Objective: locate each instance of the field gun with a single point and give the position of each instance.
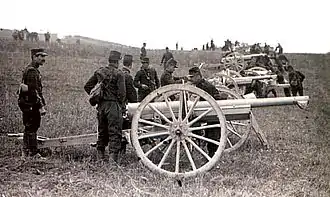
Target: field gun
(169, 128)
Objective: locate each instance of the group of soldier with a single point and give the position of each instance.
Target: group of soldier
(118, 89)
(30, 36)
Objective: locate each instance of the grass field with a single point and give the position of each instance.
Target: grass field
(297, 163)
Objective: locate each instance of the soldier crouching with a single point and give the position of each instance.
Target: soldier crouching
(109, 106)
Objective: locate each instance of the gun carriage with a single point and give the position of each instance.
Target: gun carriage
(169, 128)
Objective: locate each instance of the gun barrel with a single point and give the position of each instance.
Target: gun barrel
(238, 103)
(248, 80)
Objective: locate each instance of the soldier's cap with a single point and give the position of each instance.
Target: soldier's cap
(194, 70)
(115, 55)
(128, 58)
(38, 51)
(171, 62)
(145, 60)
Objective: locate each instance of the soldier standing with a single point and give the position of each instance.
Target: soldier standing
(166, 56)
(280, 49)
(145, 80)
(131, 95)
(167, 76)
(295, 79)
(197, 79)
(32, 102)
(143, 51)
(109, 106)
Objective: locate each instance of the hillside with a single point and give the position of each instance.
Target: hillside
(297, 163)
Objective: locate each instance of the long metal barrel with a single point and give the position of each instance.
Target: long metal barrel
(254, 103)
(248, 80)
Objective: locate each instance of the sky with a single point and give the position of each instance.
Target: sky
(299, 25)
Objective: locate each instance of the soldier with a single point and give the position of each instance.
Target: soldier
(166, 56)
(280, 49)
(282, 77)
(32, 102)
(143, 51)
(109, 106)
(167, 77)
(131, 95)
(177, 46)
(197, 79)
(145, 80)
(295, 79)
(47, 37)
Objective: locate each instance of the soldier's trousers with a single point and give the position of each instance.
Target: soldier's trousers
(297, 89)
(110, 121)
(142, 95)
(287, 92)
(31, 121)
(213, 134)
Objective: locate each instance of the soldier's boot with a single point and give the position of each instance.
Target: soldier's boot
(100, 155)
(25, 154)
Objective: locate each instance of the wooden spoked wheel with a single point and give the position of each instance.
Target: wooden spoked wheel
(238, 130)
(222, 80)
(175, 150)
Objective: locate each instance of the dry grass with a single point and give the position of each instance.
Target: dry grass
(297, 164)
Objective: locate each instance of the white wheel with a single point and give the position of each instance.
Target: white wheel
(238, 130)
(174, 150)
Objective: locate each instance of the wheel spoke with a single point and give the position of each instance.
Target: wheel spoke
(236, 123)
(157, 146)
(205, 139)
(169, 106)
(199, 149)
(189, 155)
(177, 159)
(153, 134)
(199, 117)
(229, 142)
(204, 127)
(191, 109)
(166, 154)
(159, 113)
(153, 123)
(180, 106)
(234, 132)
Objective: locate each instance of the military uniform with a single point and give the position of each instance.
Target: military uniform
(213, 133)
(295, 79)
(30, 103)
(109, 108)
(143, 53)
(147, 77)
(131, 95)
(167, 55)
(167, 77)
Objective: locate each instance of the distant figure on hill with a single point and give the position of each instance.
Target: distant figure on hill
(212, 45)
(143, 51)
(47, 37)
(15, 35)
(203, 47)
(166, 56)
(207, 46)
(176, 46)
(280, 49)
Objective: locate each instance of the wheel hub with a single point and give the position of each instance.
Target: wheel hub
(179, 130)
